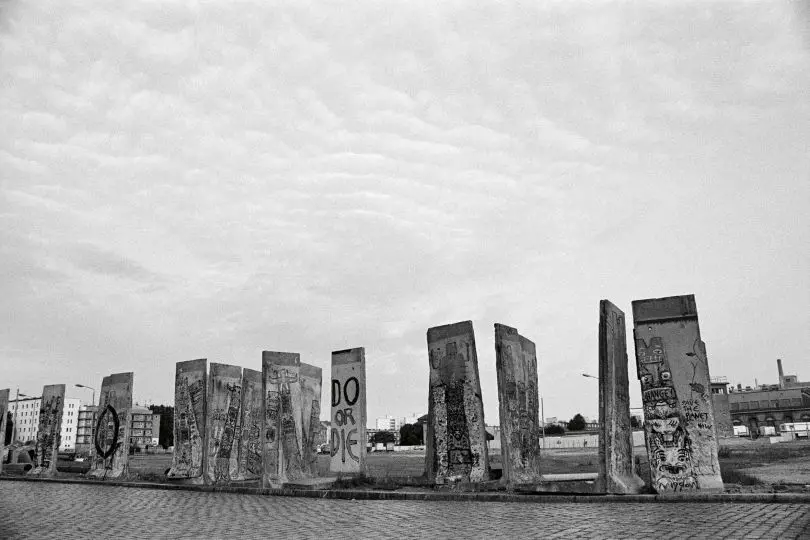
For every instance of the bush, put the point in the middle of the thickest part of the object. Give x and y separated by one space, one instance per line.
577 423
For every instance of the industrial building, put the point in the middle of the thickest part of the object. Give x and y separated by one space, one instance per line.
770 404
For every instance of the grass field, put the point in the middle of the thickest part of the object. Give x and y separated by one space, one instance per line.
745 465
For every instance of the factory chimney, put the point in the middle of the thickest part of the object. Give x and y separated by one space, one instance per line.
781 373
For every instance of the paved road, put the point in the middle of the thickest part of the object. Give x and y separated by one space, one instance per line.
50 510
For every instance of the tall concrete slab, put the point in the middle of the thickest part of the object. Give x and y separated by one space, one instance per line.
674 374
224 401
516 367
281 372
3 419
110 457
190 388
250 442
49 430
724 427
348 435
457 446
311 383
616 472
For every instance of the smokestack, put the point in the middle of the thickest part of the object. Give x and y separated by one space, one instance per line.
781 373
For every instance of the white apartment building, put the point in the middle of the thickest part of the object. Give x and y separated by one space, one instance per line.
389 423
27 416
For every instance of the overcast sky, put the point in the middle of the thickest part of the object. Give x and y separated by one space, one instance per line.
185 180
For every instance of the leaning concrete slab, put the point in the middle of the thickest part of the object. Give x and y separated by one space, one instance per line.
190 387
3 417
111 438
222 418
282 418
250 442
348 432
616 474
49 431
516 367
457 446
674 374
311 383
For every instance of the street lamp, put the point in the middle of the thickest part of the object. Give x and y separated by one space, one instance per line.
89 388
590 376
16 407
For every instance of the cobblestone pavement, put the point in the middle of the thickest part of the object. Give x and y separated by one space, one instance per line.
52 510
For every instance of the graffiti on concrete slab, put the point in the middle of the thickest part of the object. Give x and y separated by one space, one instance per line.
189 419
49 430
311 381
457 449
348 412
110 448
250 448
222 426
668 442
282 401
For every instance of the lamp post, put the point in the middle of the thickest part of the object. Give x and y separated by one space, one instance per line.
93 402
16 407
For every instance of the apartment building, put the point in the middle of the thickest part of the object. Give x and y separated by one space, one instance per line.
26 413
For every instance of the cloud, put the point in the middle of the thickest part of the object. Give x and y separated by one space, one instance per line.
185 179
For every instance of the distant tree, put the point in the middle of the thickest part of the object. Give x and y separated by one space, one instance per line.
577 423
422 420
554 429
634 422
166 431
384 437
411 434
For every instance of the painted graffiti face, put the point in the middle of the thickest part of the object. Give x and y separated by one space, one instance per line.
670 454
655 376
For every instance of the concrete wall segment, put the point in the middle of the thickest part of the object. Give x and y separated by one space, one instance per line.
456 448
348 412
190 398
673 368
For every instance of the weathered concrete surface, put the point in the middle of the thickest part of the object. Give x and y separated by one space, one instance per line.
250 425
311 384
516 366
110 457
674 374
49 431
722 415
615 465
3 418
282 418
224 400
348 436
190 390
457 445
